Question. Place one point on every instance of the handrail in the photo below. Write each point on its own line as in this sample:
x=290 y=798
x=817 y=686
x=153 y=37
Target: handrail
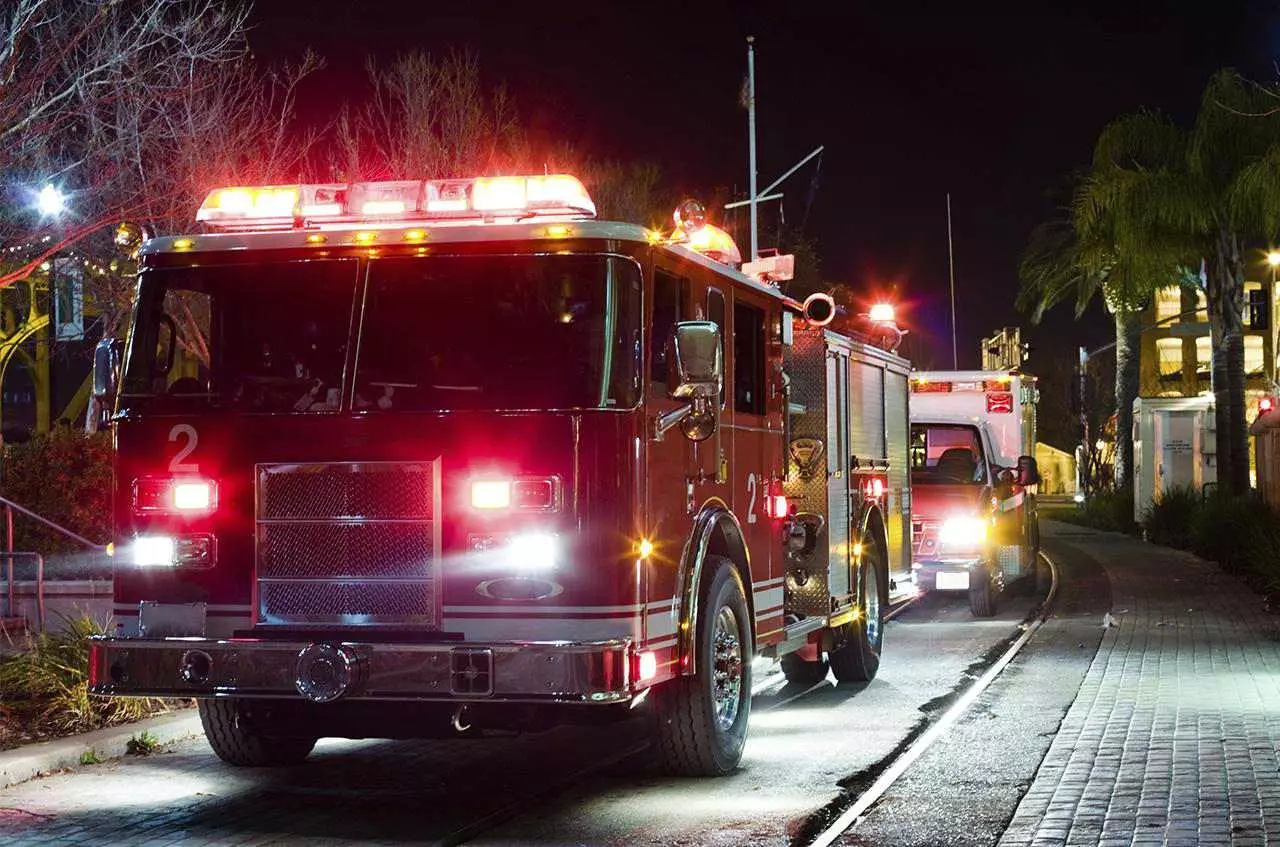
x=9 y=504
x=9 y=555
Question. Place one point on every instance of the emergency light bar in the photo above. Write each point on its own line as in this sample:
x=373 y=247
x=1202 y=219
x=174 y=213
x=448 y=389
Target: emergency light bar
x=485 y=198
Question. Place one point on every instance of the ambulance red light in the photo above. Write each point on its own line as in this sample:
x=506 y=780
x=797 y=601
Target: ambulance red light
x=273 y=202
x=882 y=313
x=775 y=503
x=174 y=496
x=383 y=207
x=496 y=194
x=192 y=496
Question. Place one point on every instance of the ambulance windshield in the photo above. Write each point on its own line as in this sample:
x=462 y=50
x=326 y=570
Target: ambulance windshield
x=432 y=333
x=946 y=454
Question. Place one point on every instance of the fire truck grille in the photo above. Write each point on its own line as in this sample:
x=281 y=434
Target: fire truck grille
x=352 y=602
x=322 y=550
x=348 y=544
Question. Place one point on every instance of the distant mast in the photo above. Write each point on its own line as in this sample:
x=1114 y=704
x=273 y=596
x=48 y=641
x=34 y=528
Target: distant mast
x=951 y=266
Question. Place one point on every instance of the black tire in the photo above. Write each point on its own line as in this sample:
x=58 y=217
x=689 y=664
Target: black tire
x=858 y=658
x=237 y=742
x=799 y=671
x=691 y=736
x=984 y=594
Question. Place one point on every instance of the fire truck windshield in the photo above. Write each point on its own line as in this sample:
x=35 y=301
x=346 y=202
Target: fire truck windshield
x=435 y=333
x=499 y=332
x=262 y=337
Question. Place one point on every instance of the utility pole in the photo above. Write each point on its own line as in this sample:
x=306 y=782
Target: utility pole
x=751 y=140
x=1084 y=472
x=951 y=265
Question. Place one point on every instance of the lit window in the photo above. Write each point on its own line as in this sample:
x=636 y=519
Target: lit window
x=1204 y=357
x=1253 y=355
x=1169 y=354
x=1202 y=307
x=1168 y=303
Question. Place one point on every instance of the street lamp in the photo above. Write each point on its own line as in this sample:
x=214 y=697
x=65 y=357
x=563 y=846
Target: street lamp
x=50 y=201
x=1273 y=258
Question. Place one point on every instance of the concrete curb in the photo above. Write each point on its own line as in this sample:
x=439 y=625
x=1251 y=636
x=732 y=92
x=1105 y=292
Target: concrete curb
x=32 y=760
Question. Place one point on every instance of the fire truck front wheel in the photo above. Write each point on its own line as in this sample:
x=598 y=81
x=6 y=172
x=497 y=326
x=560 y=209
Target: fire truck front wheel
x=858 y=658
x=238 y=739
x=700 y=721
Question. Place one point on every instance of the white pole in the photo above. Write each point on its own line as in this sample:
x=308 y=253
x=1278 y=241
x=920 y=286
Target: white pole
x=951 y=264
x=751 y=139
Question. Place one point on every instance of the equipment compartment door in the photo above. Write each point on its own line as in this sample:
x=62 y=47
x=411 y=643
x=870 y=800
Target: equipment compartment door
x=838 y=516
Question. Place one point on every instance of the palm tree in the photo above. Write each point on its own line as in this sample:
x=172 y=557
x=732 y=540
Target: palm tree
x=1169 y=196
x=1075 y=258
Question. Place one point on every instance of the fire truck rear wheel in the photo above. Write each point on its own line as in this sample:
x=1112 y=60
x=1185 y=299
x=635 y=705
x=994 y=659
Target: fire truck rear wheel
x=700 y=721
x=858 y=659
x=238 y=742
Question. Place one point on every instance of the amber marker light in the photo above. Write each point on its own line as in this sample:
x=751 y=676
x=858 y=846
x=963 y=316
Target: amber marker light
x=316 y=238
x=645 y=548
x=183 y=244
x=365 y=237
x=415 y=235
x=559 y=231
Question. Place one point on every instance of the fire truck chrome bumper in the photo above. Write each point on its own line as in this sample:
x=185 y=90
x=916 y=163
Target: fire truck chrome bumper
x=532 y=672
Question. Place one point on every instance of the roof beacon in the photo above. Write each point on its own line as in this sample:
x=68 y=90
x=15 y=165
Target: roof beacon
x=505 y=199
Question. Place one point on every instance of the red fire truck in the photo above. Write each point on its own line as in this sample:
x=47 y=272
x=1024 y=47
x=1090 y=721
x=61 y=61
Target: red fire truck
x=398 y=459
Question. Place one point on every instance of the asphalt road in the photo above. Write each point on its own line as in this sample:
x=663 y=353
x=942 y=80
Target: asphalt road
x=808 y=753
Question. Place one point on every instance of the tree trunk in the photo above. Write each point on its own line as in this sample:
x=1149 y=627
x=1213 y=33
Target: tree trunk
x=1218 y=371
x=1128 y=335
x=1225 y=293
x=1234 y=296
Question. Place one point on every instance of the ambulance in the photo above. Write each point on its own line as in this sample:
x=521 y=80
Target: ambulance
x=973 y=478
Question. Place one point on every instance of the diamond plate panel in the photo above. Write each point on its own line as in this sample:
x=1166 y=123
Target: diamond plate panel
x=371 y=490
x=327 y=550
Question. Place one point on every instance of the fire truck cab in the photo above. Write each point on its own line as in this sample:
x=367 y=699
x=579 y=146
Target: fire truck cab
x=402 y=458
x=974 y=518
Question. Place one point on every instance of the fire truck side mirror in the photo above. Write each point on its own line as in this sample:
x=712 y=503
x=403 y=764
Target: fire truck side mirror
x=1028 y=471
x=697 y=368
x=696 y=374
x=106 y=369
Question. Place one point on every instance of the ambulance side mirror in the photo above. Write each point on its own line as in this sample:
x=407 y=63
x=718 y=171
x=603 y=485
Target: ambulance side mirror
x=1028 y=471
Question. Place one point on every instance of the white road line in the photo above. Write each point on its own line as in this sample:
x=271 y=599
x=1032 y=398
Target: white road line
x=869 y=797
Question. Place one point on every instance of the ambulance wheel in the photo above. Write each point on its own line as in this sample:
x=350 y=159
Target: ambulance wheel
x=858 y=659
x=700 y=721
x=238 y=742
x=984 y=594
x=801 y=671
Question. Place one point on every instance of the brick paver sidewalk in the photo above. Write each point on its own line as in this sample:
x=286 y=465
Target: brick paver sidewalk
x=1173 y=736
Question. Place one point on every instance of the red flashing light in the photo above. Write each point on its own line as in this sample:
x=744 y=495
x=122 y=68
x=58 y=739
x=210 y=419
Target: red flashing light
x=1266 y=404
x=165 y=495
x=923 y=387
x=775 y=503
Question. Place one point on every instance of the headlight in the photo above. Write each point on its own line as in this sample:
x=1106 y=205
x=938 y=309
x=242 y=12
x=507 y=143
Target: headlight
x=151 y=551
x=533 y=551
x=963 y=532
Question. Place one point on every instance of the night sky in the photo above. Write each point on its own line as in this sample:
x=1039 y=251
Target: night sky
x=995 y=104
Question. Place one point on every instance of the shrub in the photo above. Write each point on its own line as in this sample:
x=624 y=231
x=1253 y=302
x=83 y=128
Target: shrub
x=142 y=744
x=64 y=476
x=45 y=687
x=90 y=757
x=1168 y=520
x=1222 y=528
x=1110 y=509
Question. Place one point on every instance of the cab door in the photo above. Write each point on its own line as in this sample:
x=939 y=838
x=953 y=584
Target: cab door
x=754 y=401
x=669 y=463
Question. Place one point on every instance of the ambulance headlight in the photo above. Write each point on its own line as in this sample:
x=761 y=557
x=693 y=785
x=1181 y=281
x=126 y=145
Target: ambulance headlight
x=533 y=551
x=962 y=533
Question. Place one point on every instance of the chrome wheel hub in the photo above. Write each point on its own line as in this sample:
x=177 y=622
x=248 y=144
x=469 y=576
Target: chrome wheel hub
x=726 y=668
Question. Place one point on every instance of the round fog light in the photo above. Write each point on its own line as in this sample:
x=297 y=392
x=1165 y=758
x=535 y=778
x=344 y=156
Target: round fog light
x=324 y=672
x=195 y=667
